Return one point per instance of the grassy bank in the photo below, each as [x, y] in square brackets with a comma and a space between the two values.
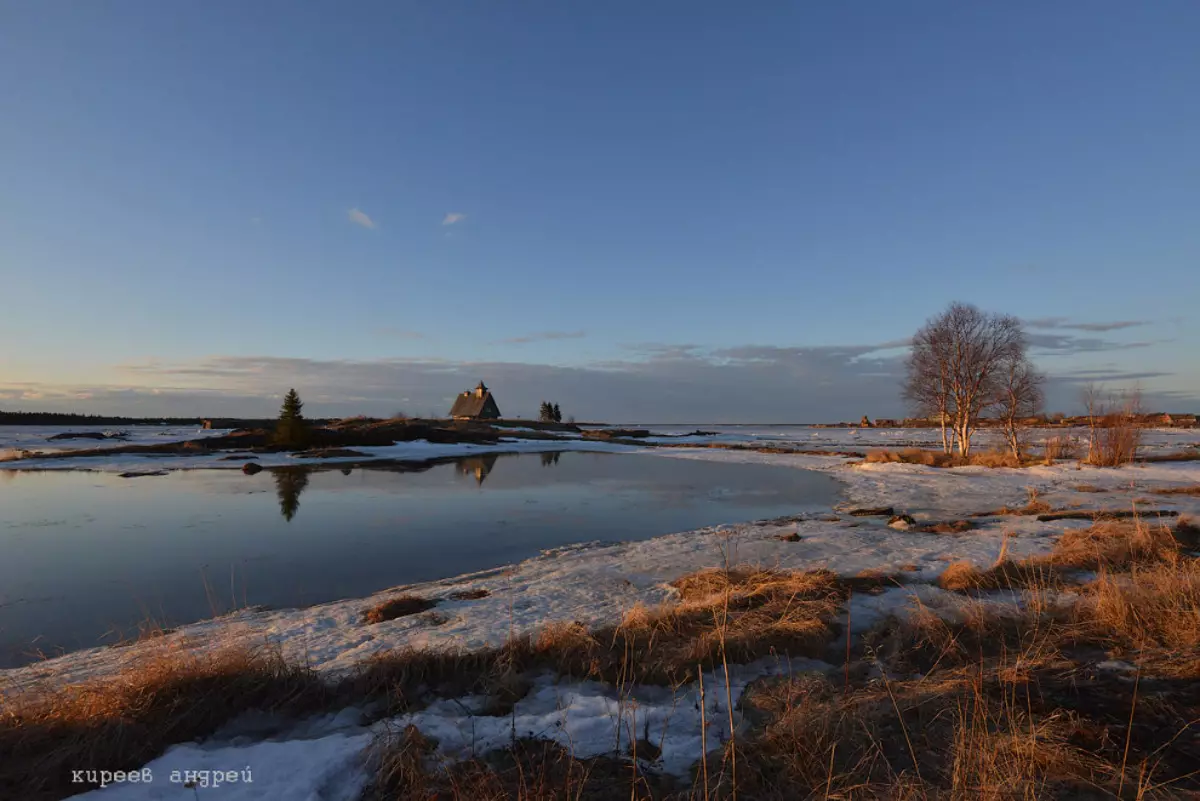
[1042, 681]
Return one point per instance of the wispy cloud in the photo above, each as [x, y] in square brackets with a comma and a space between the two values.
[543, 336]
[453, 217]
[396, 333]
[1065, 323]
[359, 217]
[1066, 344]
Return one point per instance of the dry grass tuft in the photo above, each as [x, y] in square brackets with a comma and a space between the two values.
[997, 459]
[1060, 447]
[121, 723]
[1192, 490]
[931, 458]
[957, 736]
[1089, 488]
[911, 456]
[1154, 607]
[1114, 545]
[1179, 456]
[1105, 545]
[393, 608]
[945, 527]
[528, 770]
[960, 576]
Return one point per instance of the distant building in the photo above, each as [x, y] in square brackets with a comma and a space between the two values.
[476, 404]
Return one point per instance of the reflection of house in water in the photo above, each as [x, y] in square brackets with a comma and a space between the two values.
[478, 466]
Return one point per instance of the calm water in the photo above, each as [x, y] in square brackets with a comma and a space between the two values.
[85, 557]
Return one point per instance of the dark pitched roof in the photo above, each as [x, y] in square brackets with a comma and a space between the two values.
[468, 404]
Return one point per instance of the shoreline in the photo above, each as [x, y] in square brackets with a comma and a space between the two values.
[596, 582]
[660, 654]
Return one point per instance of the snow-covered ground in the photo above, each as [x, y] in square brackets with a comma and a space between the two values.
[1158, 440]
[14, 440]
[597, 583]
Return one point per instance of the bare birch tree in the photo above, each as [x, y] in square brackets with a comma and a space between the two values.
[928, 385]
[1018, 396]
[955, 366]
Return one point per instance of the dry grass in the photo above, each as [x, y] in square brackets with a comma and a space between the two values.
[1089, 488]
[1153, 607]
[998, 459]
[1034, 505]
[962, 735]
[1179, 456]
[1193, 490]
[1115, 440]
[123, 722]
[911, 456]
[393, 608]
[1060, 447]
[931, 458]
[736, 615]
[945, 527]
[1110, 545]
[529, 770]
[994, 706]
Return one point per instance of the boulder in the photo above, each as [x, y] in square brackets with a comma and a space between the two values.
[902, 522]
[250, 468]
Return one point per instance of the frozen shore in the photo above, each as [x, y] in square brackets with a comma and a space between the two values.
[597, 583]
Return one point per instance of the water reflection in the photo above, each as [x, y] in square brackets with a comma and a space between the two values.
[86, 553]
[289, 483]
[477, 466]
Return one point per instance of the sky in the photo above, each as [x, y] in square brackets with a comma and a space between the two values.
[656, 212]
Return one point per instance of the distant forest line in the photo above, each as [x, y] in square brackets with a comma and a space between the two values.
[71, 419]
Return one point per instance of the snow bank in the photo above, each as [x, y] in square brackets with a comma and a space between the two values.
[329, 768]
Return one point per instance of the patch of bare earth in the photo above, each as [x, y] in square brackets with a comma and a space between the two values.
[393, 608]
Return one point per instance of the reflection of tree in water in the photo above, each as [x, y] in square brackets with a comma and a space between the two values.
[550, 458]
[478, 466]
[289, 483]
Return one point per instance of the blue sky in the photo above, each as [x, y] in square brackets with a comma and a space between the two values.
[656, 211]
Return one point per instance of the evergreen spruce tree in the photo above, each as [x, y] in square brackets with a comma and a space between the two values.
[292, 430]
[546, 413]
[557, 414]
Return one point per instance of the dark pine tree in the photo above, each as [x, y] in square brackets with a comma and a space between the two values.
[546, 413]
[292, 430]
[557, 414]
